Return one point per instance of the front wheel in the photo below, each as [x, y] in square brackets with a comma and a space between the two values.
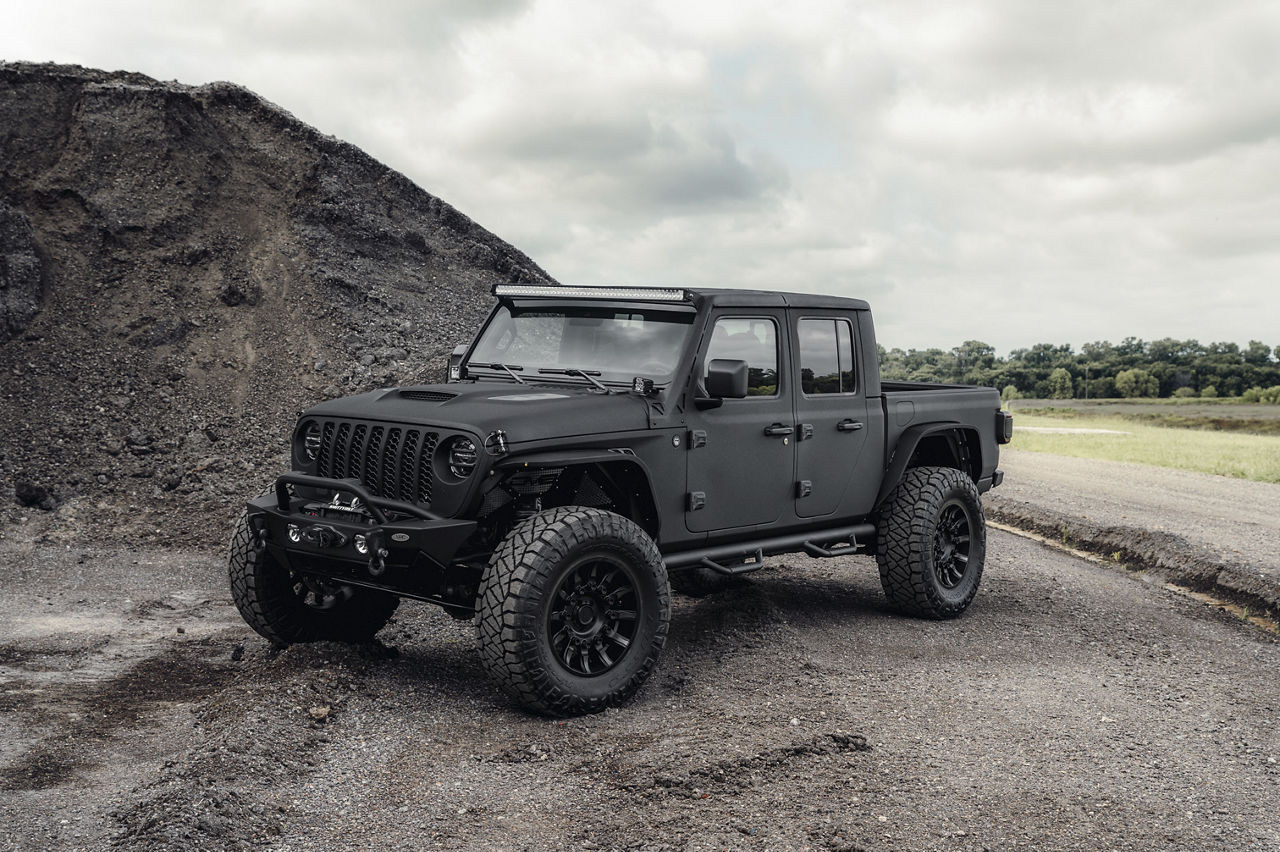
[287, 607]
[932, 543]
[573, 611]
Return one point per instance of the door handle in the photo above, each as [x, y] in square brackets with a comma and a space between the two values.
[777, 430]
[849, 425]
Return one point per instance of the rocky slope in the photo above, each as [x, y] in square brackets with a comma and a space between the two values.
[182, 269]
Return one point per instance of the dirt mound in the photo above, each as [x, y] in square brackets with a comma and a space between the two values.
[183, 269]
[20, 287]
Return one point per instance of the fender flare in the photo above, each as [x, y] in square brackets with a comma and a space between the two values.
[908, 441]
[603, 458]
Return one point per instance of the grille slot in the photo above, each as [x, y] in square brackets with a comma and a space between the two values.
[391, 462]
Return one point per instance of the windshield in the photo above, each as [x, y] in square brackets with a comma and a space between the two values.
[614, 343]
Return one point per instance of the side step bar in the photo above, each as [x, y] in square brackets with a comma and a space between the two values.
[749, 555]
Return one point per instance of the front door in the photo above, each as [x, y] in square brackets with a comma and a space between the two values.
[741, 455]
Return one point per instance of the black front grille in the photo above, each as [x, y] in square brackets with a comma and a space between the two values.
[390, 461]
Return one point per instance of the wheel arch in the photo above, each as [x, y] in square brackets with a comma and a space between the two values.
[933, 445]
[623, 476]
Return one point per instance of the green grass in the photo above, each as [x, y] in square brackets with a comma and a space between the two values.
[1235, 454]
[1223, 415]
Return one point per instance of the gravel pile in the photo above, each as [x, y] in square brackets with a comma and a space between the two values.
[182, 270]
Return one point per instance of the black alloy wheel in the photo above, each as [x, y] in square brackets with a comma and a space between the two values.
[951, 544]
[594, 615]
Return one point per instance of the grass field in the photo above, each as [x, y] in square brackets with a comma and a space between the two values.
[1223, 415]
[1227, 453]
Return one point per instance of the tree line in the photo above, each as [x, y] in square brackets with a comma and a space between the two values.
[1132, 368]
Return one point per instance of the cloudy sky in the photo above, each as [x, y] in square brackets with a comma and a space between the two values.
[1015, 171]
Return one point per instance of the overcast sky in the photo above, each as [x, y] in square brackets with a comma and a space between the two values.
[1015, 171]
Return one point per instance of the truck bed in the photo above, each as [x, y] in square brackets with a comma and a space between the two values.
[910, 403]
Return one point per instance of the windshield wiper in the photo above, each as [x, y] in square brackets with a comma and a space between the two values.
[589, 375]
[509, 369]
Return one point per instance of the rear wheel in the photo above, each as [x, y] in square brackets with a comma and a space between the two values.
[286, 606]
[932, 543]
[573, 611]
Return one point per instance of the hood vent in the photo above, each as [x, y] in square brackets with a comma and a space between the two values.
[427, 395]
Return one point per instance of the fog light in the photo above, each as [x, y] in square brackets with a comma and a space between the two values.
[295, 534]
[362, 545]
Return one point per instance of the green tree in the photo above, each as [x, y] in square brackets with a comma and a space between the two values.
[975, 355]
[1009, 393]
[1209, 392]
[1136, 383]
[1257, 353]
[1060, 384]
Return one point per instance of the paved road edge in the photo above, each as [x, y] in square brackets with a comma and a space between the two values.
[1181, 561]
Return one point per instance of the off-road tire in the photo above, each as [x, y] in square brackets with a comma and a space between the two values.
[281, 606]
[699, 581]
[932, 543]
[567, 578]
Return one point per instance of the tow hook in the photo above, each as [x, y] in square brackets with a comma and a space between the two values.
[258, 523]
[377, 554]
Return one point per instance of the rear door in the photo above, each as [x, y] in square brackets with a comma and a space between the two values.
[832, 423]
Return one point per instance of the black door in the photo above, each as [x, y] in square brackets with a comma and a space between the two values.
[741, 455]
[832, 426]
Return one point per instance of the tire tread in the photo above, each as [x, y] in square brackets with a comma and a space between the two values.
[904, 551]
[519, 573]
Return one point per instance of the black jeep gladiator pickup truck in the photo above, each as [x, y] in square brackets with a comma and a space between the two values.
[595, 447]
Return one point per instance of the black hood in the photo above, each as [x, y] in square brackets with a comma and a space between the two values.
[524, 412]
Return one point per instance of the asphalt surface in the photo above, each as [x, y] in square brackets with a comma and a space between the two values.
[1073, 707]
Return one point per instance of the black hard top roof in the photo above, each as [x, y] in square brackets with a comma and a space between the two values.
[772, 298]
[709, 296]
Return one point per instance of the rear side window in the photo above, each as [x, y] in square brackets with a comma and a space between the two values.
[826, 356]
[750, 339]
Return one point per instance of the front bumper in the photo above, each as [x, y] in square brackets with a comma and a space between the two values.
[356, 538]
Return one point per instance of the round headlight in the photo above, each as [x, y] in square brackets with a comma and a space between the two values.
[462, 457]
[311, 440]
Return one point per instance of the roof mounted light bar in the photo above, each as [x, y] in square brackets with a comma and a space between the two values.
[638, 294]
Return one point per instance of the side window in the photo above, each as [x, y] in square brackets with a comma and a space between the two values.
[750, 339]
[826, 356]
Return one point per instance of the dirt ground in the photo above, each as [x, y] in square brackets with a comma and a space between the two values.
[1073, 706]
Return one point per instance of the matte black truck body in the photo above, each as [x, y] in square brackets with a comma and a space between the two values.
[725, 425]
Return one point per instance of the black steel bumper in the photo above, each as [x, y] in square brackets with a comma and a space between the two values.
[344, 533]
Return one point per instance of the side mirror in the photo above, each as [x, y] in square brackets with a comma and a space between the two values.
[455, 371]
[726, 378]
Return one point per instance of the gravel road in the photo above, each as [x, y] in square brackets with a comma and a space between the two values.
[1072, 707]
[1211, 532]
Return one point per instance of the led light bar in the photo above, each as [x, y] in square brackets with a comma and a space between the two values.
[645, 294]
